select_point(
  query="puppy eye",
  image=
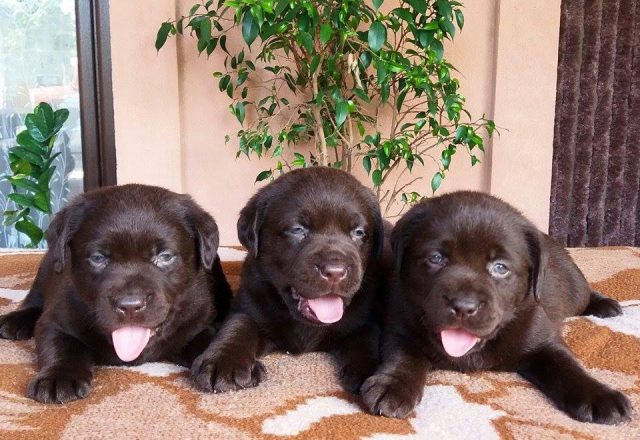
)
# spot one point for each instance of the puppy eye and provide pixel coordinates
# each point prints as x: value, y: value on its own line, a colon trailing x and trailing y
x: 98, y: 260
x: 437, y: 259
x: 164, y: 259
x: 358, y: 233
x: 498, y: 269
x: 298, y: 231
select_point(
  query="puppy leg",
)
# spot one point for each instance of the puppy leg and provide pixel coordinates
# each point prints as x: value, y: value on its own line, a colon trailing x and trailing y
x: 20, y: 323
x: 602, y: 306
x: 64, y: 368
x: 194, y: 348
x: 558, y: 375
x: 358, y: 357
x: 230, y: 362
x: 396, y: 388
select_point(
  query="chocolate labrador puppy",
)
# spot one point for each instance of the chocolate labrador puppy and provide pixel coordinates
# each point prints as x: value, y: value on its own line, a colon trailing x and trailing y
x: 309, y: 283
x: 478, y: 287
x: 131, y: 276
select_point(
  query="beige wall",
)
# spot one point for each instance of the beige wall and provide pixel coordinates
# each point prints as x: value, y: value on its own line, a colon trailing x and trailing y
x: 171, y: 120
x: 145, y: 96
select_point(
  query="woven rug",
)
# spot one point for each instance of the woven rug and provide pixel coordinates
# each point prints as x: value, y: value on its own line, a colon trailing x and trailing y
x: 301, y: 398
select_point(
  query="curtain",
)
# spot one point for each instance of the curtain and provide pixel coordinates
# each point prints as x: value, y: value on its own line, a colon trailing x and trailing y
x: 596, y: 151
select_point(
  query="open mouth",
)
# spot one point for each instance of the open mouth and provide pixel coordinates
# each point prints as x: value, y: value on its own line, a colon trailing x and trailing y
x: 325, y: 309
x: 457, y: 341
x: 130, y: 341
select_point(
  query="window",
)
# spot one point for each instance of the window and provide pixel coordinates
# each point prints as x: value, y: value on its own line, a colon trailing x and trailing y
x: 50, y: 51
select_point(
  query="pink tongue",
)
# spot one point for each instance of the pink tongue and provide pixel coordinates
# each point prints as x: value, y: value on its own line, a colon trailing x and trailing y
x: 130, y: 341
x: 457, y: 342
x: 327, y: 308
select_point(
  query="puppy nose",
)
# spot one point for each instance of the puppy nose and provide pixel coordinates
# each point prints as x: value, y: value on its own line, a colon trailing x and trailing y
x: 464, y: 306
x: 333, y: 272
x: 131, y: 305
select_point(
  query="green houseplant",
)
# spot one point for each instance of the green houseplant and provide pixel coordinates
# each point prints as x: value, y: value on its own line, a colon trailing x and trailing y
x: 325, y: 72
x: 31, y: 163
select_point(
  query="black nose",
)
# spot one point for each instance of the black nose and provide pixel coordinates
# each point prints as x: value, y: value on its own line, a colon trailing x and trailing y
x: 463, y: 306
x: 333, y: 272
x: 131, y: 305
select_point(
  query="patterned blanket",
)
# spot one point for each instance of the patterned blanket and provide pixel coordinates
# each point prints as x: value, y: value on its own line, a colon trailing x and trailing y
x: 301, y: 398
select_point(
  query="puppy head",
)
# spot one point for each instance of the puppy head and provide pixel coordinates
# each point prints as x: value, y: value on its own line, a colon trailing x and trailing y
x: 132, y: 251
x: 311, y: 233
x: 467, y: 261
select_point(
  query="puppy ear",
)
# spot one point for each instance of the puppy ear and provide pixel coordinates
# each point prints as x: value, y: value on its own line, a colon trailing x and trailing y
x: 205, y: 231
x: 61, y: 230
x: 378, y: 235
x: 398, y: 243
x: 250, y: 222
x: 539, y: 258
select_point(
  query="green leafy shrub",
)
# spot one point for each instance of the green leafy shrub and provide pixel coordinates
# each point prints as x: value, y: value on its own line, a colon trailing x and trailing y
x: 345, y: 63
x: 31, y: 163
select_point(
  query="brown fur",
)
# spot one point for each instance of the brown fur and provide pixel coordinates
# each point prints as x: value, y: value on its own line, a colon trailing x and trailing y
x: 292, y: 228
x: 72, y: 305
x: 516, y: 316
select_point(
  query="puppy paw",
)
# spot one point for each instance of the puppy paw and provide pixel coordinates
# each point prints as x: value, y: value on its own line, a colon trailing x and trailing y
x: 218, y: 374
x: 602, y: 306
x: 352, y: 377
x: 58, y: 388
x: 19, y: 324
x: 388, y: 396
x: 602, y: 405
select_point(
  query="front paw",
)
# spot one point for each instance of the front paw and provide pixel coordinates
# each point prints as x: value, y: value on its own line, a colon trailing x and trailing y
x: 353, y: 375
x: 389, y: 396
x: 351, y: 380
x: 599, y: 404
x: 217, y: 373
x: 56, y: 387
x: 18, y: 324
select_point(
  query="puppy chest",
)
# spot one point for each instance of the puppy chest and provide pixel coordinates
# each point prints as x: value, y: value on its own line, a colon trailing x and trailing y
x: 299, y: 339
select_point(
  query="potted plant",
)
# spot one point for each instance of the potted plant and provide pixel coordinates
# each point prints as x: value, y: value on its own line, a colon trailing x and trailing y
x: 333, y: 69
x: 31, y: 163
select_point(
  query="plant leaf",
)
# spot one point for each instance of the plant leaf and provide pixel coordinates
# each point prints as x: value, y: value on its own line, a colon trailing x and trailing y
x: 366, y: 164
x: 263, y: 175
x: 163, y: 33
x: 436, y: 181
x: 315, y: 62
x: 205, y: 31
x: 40, y: 123
x: 376, y: 177
x: 250, y: 28
x: 419, y: 5
x: 377, y: 36
x: 41, y: 202
x: 342, y: 110
x: 32, y: 231
x: 59, y: 118
x: 459, y: 18
x: 240, y: 112
x: 21, y: 200
x: 326, y: 32
x: 306, y: 40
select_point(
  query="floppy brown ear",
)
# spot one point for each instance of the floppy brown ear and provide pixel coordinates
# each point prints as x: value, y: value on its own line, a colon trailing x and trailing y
x: 61, y: 230
x: 378, y: 235
x: 539, y: 258
x: 397, y: 244
x: 250, y: 222
x: 403, y: 229
x: 205, y: 231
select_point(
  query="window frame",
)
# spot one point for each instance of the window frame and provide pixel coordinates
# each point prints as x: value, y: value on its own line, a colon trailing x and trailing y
x: 96, y: 93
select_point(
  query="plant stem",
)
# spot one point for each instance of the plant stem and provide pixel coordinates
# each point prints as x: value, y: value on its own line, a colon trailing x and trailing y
x: 321, y: 141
